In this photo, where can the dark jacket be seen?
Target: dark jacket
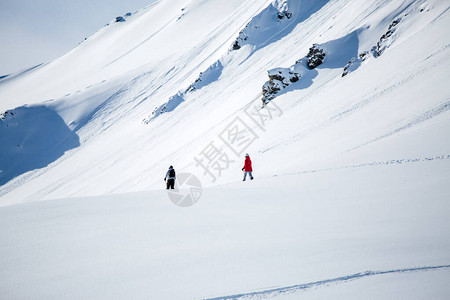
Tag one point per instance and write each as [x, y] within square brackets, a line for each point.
[168, 174]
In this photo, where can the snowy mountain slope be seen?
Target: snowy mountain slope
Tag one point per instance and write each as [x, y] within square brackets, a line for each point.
[118, 152]
[78, 107]
[350, 197]
[145, 39]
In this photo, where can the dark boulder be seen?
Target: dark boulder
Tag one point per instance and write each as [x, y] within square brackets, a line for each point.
[279, 79]
[284, 14]
[315, 56]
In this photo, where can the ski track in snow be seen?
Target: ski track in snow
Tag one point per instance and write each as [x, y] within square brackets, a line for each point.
[141, 43]
[444, 107]
[375, 163]
[413, 74]
[305, 286]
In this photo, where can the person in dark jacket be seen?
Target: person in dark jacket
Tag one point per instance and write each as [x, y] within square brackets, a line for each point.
[170, 178]
[247, 167]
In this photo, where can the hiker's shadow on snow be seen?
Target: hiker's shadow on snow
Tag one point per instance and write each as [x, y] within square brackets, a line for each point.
[32, 138]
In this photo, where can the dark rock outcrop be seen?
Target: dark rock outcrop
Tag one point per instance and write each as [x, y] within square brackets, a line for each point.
[6, 114]
[383, 43]
[279, 79]
[315, 56]
[284, 14]
[354, 63]
[205, 78]
[239, 40]
[265, 22]
[386, 39]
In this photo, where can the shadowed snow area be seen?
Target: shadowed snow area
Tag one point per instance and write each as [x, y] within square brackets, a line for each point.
[32, 137]
[276, 21]
[339, 51]
[204, 79]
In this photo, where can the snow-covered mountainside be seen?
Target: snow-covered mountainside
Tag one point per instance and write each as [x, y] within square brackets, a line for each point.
[342, 105]
[159, 87]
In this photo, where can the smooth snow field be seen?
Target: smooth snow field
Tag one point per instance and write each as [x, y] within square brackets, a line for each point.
[274, 233]
[343, 107]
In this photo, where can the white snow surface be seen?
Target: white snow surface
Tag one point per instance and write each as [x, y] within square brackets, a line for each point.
[351, 192]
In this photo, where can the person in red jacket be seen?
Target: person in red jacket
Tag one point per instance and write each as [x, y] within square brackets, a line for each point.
[247, 167]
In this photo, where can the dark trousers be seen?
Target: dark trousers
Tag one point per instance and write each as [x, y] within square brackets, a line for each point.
[170, 184]
[249, 173]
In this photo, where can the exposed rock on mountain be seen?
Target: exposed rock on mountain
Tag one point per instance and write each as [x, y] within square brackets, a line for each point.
[204, 78]
[355, 63]
[387, 38]
[279, 79]
[6, 114]
[268, 21]
[383, 43]
[315, 56]
[284, 14]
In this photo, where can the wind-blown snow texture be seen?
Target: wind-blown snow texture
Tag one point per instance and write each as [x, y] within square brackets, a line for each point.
[350, 154]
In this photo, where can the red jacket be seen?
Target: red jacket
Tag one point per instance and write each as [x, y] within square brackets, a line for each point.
[248, 164]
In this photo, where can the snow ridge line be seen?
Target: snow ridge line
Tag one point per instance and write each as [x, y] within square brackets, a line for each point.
[342, 279]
